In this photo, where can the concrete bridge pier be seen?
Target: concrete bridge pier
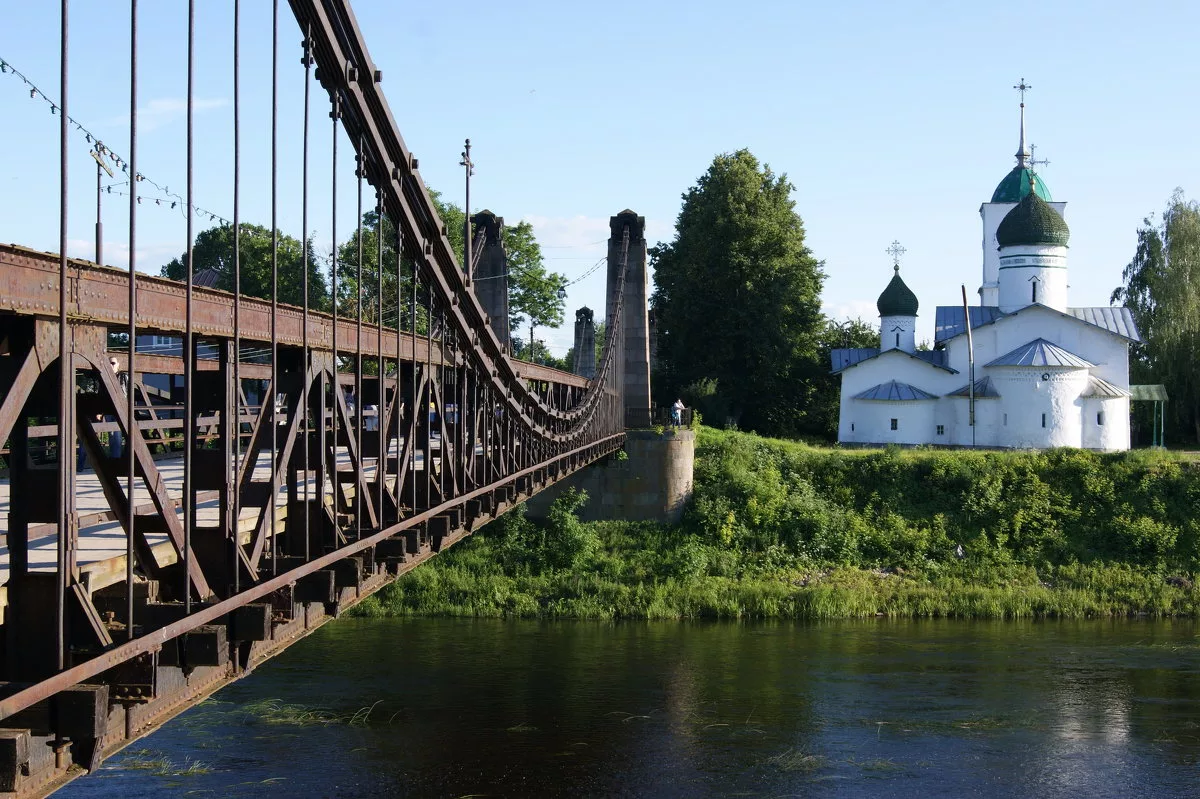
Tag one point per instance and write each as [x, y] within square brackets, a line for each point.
[652, 483]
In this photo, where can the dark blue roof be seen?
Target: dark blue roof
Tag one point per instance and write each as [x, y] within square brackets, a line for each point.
[845, 358]
[949, 320]
[842, 358]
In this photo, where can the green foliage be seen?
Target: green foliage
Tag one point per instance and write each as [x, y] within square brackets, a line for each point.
[737, 300]
[784, 530]
[824, 406]
[1162, 290]
[214, 250]
[532, 291]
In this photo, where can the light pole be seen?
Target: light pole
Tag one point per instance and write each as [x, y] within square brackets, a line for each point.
[469, 168]
[101, 167]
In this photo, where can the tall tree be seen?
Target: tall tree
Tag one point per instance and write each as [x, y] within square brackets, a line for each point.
[214, 250]
[1162, 290]
[737, 299]
[532, 291]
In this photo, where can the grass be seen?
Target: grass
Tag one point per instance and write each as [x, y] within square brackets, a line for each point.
[783, 530]
[160, 765]
[797, 760]
[276, 711]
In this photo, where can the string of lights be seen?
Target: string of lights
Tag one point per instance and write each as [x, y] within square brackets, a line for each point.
[102, 150]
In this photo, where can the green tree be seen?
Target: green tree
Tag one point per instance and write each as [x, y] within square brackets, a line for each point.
[214, 250]
[737, 299]
[532, 291]
[1162, 290]
[850, 334]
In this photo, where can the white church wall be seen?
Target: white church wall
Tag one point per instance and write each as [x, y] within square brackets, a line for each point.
[991, 213]
[856, 420]
[1105, 422]
[1110, 353]
[893, 422]
[1041, 404]
[898, 332]
[1021, 267]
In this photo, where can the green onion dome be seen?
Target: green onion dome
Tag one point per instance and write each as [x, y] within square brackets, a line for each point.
[1032, 221]
[1017, 184]
[897, 299]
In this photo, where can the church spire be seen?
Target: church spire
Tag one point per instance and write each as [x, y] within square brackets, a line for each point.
[1023, 155]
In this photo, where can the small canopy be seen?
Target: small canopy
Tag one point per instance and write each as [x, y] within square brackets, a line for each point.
[984, 389]
[1155, 392]
[894, 391]
[1103, 389]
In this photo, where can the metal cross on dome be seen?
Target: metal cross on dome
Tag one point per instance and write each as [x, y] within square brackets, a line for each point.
[896, 250]
[1033, 159]
[1023, 87]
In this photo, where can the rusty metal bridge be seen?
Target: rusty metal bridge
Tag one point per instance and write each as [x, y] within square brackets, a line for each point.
[137, 585]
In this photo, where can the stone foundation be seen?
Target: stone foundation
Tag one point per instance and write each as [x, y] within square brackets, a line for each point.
[652, 484]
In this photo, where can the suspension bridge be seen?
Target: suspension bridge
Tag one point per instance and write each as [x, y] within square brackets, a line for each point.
[293, 460]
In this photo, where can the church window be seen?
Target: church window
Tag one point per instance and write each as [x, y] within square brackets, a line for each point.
[1043, 420]
[895, 424]
[1100, 418]
[941, 429]
[852, 427]
[1035, 295]
[897, 339]
[1006, 420]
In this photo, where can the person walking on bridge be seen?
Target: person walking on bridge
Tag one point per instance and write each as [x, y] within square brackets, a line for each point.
[677, 413]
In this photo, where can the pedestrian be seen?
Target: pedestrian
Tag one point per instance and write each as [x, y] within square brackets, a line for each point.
[677, 413]
[115, 440]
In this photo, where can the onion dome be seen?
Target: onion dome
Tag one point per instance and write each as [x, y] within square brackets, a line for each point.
[1018, 183]
[1032, 221]
[897, 299]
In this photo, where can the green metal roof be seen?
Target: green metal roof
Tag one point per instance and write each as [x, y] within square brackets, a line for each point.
[897, 299]
[1155, 392]
[1032, 221]
[1015, 186]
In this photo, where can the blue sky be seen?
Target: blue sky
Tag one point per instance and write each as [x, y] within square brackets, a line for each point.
[893, 120]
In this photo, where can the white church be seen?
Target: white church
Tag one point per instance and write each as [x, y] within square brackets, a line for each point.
[1045, 374]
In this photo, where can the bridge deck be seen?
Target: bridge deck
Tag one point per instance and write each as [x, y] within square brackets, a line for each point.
[102, 540]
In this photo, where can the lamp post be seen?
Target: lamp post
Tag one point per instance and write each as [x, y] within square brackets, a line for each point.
[469, 166]
[101, 167]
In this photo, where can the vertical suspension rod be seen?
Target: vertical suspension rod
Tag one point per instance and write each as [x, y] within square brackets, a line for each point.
[235, 484]
[274, 281]
[189, 344]
[307, 59]
[359, 399]
[134, 432]
[381, 458]
[334, 113]
[66, 372]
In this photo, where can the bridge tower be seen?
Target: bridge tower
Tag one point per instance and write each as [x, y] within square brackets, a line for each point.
[490, 279]
[633, 354]
[585, 343]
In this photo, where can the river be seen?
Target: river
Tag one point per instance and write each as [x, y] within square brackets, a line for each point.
[434, 707]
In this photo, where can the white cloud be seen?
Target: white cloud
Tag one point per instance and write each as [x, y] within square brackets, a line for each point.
[575, 232]
[853, 309]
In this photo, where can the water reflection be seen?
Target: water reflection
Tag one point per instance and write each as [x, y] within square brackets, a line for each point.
[882, 708]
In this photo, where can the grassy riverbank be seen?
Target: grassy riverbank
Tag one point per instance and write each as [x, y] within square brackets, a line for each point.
[783, 530]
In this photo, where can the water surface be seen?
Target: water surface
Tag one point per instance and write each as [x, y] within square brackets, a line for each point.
[432, 707]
